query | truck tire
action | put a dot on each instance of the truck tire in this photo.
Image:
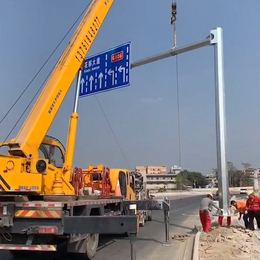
(141, 224)
(150, 217)
(92, 241)
(90, 249)
(91, 245)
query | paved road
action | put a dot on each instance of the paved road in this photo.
(150, 243)
(151, 238)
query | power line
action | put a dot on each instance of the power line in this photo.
(113, 132)
(26, 88)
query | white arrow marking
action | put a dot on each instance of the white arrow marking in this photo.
(122, 69)
(100, 76)
(82, 85)
(111, 72)
(91, 80)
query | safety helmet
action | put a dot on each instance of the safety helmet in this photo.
(250, 192)
(210, 194)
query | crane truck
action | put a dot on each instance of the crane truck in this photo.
(41, 206)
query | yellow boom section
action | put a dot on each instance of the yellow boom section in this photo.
(45, 109)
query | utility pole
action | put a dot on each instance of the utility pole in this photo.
(215, 39)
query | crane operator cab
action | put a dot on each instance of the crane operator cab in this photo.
(52, 150)
(36, 175)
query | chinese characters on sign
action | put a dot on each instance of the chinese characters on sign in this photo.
(106, 71)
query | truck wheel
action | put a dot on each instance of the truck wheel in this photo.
(150, 217)
(141, 224)
(92, 241)
(88, 252)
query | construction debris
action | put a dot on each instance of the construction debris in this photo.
(181, 238)
(233, 242)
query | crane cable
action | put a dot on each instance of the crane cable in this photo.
(178, 110)
(26, 88)
(112, 131)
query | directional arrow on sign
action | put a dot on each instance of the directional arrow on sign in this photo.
(82, 84)
(90, 81)
(122, 69)
(111, 72)
(100, 76)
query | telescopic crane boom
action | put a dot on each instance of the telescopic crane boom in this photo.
(30, 165)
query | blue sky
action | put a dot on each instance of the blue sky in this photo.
(144, 115)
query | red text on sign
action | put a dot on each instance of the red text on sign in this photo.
(117, 56)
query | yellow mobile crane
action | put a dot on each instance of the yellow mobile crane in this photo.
(24, 169)
(39, 208)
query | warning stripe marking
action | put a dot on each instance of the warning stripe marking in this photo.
(28, 248)
(33, 204)
(37, 214)
(4, 182)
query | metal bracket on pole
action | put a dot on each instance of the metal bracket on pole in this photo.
(215, 38)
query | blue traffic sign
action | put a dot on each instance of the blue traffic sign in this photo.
(106, 71)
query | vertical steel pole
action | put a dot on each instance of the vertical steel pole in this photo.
(133, 248)
(132, 211)
(223, 184)
(166, 222)
(76, 99)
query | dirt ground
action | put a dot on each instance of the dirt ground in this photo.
(224, 243)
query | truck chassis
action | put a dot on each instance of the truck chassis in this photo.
(46, 225)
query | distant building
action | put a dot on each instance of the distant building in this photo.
(163, 182)
(211, 180)
(251, 171)
(175, 170)
(151, 169)
(157, 178)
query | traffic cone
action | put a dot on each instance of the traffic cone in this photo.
(118, 190)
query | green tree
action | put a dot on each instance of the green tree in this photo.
(246, 165)
(187, 178)
(181, 181)
(238, 178)
(231, 174)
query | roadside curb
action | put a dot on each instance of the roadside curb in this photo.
(257, 234)
(195, 249)
(188, 251)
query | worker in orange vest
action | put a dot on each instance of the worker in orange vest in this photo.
(241, 208)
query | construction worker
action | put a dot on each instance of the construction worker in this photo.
(220, 221)
(241, 208)
(253, 209)
(206, 205)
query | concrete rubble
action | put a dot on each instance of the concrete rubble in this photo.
(233, 242)
(181, 238)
